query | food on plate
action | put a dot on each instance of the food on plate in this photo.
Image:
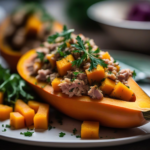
(5, 112)
(82, 96)
(90, 130)
(17, 120)
(26, 111)
(41, 117)
(24, 29)
(139, 12)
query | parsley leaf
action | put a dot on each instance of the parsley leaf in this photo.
(40, 55)
(48, 79)
(65, 33)
(8, 126)
(13, 87)
(4, 130)
(78, 136)
(134, 74)
(61, 134)
(87, 54)
(74, 131)
(28, 133)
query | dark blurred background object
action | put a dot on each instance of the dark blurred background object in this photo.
(139, 12)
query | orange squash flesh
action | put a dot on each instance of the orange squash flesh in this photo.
(12, 57)
(90, 130)
(17, 120)
(26, 111)
(109, 112)
(5, 112)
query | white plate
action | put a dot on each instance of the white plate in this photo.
(109, 136)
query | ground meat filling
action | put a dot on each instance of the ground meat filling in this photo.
(95, 92)
(75, 88)
(76, 80)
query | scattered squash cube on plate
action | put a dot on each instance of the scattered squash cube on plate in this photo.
(17, 120)
(90, 130)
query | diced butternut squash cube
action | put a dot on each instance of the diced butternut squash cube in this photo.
(106, 56)
(64, 65)
(34, 105)
(41, 117)
(26, 111)
(51, 59)
(37, 65)
(122, 92)
(107, 86)
(5, 112)
(17, 120)
(34, 25)
(96, 75)
(118, 68)
(68, 44)
(90, 130)
(55, 84)
(1, 97)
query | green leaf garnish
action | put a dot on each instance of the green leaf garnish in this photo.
(134, 74)
(61, 134)
(74, 131)
(4, 130)
(28, 133)
(8, 126)
(48, 80)
(65, 33)
(40, 55)
(87, 54)
(13, 87)
(78, 136)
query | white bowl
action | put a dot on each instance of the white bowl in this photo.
(112, 16)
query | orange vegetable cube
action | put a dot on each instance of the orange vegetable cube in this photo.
(34, 105)
(26, 111)
(55, 84)
(37, 65)
(107, 86)
(118, 68)
(68, 44)
(17, 120)
(1, 97)
(106, 56)
(122, 92)
(90, 130)
(41, 117)
(34, 25)
(96, 75)
(5, 112)
(51, 59)
(64, 65)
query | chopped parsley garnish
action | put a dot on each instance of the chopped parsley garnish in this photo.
(73, 79)
(115, 61)
(48, 80)
(4, 130)
(49, 127)
(2, 125)
(61, 134)
(43, 86)
(76, 73)
(103, 79)
(8, 126)
(40, 55)
(134, 74)
(65, 33)
(35, 83)
(128, 87)
(109, 72)
(78, 136)
(28, 133)
(74, 131)
(13, 87)
(42, 45)
(46, 61)
(92, 55)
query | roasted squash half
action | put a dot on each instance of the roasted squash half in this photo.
(9, 54)
(109, 112)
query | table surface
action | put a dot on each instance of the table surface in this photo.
(105, 42)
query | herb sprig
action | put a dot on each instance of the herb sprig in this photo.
(92, 55)
(13, 87)
(65, 33)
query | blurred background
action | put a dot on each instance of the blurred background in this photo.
(74, 14)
